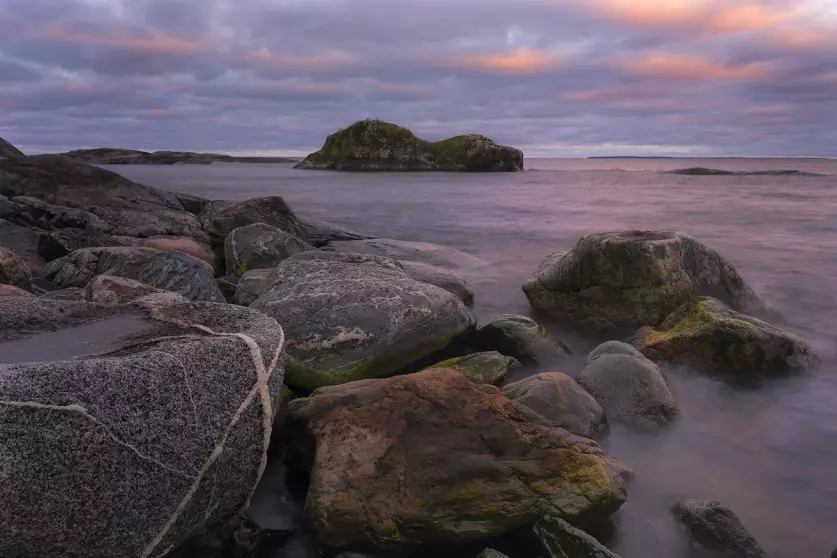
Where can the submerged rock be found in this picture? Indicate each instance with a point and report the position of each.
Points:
(373, 145)
(153, 429)
(319, 233)
(560, 399)
(630, 387)
(171, 271)
(710, 336)
(443, 278)
(559, 539)
(433, 458)
(482, 368)
(522, 338)
(259, 246)
(634, 279)
(352, 316)
(13, 270)
(716, 528)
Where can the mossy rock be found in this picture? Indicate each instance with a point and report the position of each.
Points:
(712, 337)
(482, 368)
(374, 145)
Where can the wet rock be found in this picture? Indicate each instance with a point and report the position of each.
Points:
(252, 285)
(352, 316)
(228, 285)
(522, 338)
(259, 246)
(634, 279)
(712, 337)
(560, 399)
(9, 151)
(443, 278)
(559, 539)
(170, 271)
(13, 270)
(716, 528)
(373, 145)
(482, 368)
(631, 388)
(184, 246)
(433, 458)
(155, 428)
(221, 218)
(10, 290)
(404, 251)
(50, 192)
(110, 290)
(319, 233)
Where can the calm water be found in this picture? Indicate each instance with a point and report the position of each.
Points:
(769, 452)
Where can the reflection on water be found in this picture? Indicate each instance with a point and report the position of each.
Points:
(768, 451)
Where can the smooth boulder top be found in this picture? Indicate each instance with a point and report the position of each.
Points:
(482, 368)
(716, 528)
(153, 428)
(171, 271)
(374, 145)
(629, 387)
(433, 458)
(64, 192)
(220, 218)
(712, 337)
(561, 400)
(634, 278)
(559, 539)
(353, 316)
(9, 151)
(259, 246)
(522, 338)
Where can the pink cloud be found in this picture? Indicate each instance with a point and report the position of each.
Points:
(519, 62)
(326, 60)
(152, 42)
(690, 67)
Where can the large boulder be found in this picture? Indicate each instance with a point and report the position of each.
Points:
(559, 539)
(154, 428)
(9, 151)
(433, 458)
(716, 528)
(13, 270)
(448, 280)
(110, 290)
(634, 279)
(220, 218)
(483, 368)
(373, 145)
(319, 233)
(559, 398)
(58, 243)
(523, 338)
(170, 271)
(352, 316)
(630, 387)
(710, 336)
(49, 192)
(259, 246)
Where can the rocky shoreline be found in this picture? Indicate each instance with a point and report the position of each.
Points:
(116, 156)
(187, 377)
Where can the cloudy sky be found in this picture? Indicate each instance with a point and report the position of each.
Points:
(554, 77)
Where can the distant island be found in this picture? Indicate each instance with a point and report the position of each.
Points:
(374, 145)
(631, 157)
(118, 156)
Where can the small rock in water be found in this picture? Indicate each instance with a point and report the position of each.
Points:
(716, 528)
(559, 539)
(522, 338)
(481, 368)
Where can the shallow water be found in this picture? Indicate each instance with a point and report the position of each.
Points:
(767, 451)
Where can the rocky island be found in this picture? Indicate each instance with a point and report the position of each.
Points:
(374, 145)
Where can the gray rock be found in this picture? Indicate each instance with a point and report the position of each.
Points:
(221, 218)
(23, 241)
(10, 290)
(153, 429)
(13, 270)
(70, 293)
(631, 389)
(110, 290)
(523, 338)
(51, 192)
(712, 337)
(259, 246)
(352, 316)
(481, 368)
(448, 280)
(635, 278)
(171, 271)
(422, 252)
(614, 348)
(57, 244)
(491, 553)
(716, 528)
(559, 398)
(252, 285)
(319, 233)
(9, 151)
(559, 539)
(228, 285)
(193, 204)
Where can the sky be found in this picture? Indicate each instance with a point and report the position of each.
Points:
(565, 78)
